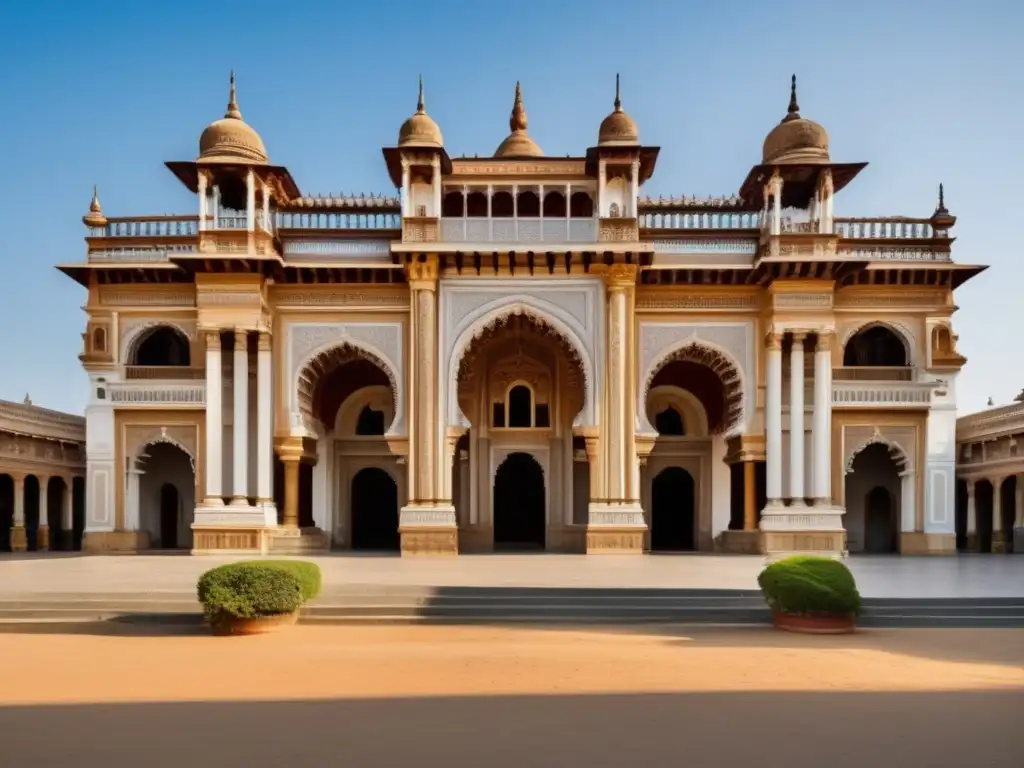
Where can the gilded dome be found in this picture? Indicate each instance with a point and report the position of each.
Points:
(518, 143)
(95, 217)
(796, 139)
(618, 129)
(231, 139)
(420, 130)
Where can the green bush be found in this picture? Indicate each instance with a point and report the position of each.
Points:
(248, 591)
(307, 573)
(810, 585)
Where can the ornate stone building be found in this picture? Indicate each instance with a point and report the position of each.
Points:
(520, 351)
(42, 478)
(990, 482)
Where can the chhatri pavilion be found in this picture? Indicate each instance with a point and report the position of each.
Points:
(520, 351)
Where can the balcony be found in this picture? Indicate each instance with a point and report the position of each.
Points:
(163, 372)
(872, 373)
(881, 394)
(144, 394)
(518, 230)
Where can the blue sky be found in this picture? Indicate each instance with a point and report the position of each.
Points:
(104, 92)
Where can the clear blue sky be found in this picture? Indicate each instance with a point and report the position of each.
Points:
(104, 92)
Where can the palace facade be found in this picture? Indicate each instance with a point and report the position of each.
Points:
(517, 351)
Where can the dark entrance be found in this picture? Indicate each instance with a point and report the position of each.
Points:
(673, 518)
(374, 510)
(519, 503)
(168, 516)
(879, 521)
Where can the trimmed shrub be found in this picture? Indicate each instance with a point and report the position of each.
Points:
(307, 573)
(248, 591)
(810, 585)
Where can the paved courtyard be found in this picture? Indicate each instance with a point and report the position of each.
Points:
(963, 576)
(108, 695)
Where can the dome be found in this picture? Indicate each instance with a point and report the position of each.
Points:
(95, 217)
(618, 129)
(231, 139)
(796, 139)
(518, 143)
(420, 130)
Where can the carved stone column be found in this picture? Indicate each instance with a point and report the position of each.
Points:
(616, 521)
(291, 491)
(19, 539)
(427, 522)
(68, 515)
(773, 419)
(749, 496)
(797, 436)
(43, 531)
(972, 518)
(998, 539)
(265, 429)
(240, 425)
(214, 422)
(821, 425)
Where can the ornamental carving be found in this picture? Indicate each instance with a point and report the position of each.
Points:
(618, 231)
(732, 382)
(903, 332)
(805, 301)
(379, 342)
(184, 437)
(122, 297)
(900, 441)
(419, 230)
(669, 299)
(336, 298)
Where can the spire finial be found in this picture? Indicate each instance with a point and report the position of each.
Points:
(793, 112)
(421, 108)
(942, 200)
(233, 110)
(618, 98)
(27, 400)
(517, 122)
(94, 204)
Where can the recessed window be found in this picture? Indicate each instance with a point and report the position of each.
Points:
(520, 406)
(370, 422)
(669, 423)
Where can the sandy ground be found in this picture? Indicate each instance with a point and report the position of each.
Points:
(116, 695)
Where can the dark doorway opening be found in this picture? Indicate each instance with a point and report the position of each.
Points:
(374, 511)
(880, 525)
(673, 513)
(168, 516)
(6, 511)
(519, 503)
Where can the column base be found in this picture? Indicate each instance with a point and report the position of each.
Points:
(426, 529)
(615, 529)
(1018, 540)
(998, 543)
(212, 502)
(740, 543)
(239, 501)
(917, 543)
(221, 540)
(269, 510)
(43, 538)
(973, 543)
(115, 542)
(803, 531)
(19, 539)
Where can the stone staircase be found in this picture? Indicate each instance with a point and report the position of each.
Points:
(482, 605)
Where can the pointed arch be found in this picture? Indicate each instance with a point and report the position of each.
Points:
(902, 333)
(898, 454)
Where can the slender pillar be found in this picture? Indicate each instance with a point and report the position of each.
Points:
(998, 540)
(131, 516)
(250, 201)
(265, 202)
(405, 189)
(749, 496)
(216, 207)
(265, 428)
(291, 491)
(773, 419)
(68, 515)
(972, 518)
(796, 421)
(1018, 505)
(203, 202)
(908, 501)
(19, 541)
(43, 531)
(214, 422)
(821, 425)
(240, 430)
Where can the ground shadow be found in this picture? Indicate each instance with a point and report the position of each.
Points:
(841, 730)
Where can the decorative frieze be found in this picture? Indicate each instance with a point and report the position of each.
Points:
(618, 231)
(881, 253)
(744, 247)
(802, 301)
(907, 298)
(858, 394)
(127, 297)
(340, 298)
(683, 299)
(144, 394)
(419, 230)
(468, 167)
(338, 248)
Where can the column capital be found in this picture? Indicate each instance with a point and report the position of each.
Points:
(619, 277)
(799, 336)
(825, 339)
(241, 338)
(773, 340)
(422, 274)
(212, 338)
(265, 341)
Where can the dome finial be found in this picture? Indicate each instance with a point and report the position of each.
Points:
(421, 107)
(517, 122)
(942, 200)
(793, 112)
(94, 204)
(618, 98)
(95, 217)
(233, 110)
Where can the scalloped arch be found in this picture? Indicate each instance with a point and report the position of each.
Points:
(903, 332)
(138, 333)
(896, 452)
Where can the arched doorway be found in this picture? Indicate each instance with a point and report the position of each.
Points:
(6, 511)
(881, 528)
(169, 512)
(374, 511)
(519, 515)
(164, 345)
(673, 518)
(875, 346)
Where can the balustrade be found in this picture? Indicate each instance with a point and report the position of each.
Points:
(148, 226)
(894, 228)
(856, 394)
(700, 220)
(518, 230)
(872, 373)
(140, 393)
(338, 220)
(163, 372)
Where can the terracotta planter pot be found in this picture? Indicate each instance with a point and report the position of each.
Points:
(257, 626)
(814, 623)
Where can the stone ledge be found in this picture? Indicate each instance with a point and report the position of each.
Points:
(614, 540)
(740, 543)
(927, 543)
(429, 540)
(208, 540)
(114, 542)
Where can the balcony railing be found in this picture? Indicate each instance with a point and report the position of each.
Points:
(502, 230)
(894, 228)
(856, 394)
(148, 226)
(164, 372)
(157, 395)
(329, 220)
(705, 220)
(872, 373)
(137, 255)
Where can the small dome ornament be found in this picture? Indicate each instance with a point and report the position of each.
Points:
(95, 217)
(518, 143)
(942, 220)
(796, 140)
(618, 129)
(231, 139)
(420, 130)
